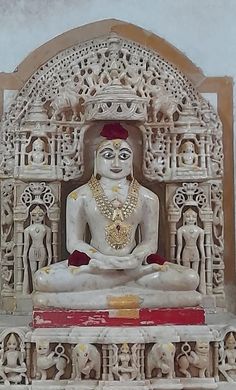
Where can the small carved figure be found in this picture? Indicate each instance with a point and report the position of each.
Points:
(198, 358)
(187, 155)
(6, 211)
(45, 359)
(161, 357)
(7, 248)
(125, 364)
(218, 281)
(86, 358)
(230, 351)
(162, 102)
(12, 365)
(227, 364)
(38, 156)
(35, 254)
(66, 100)
(93, 71)
(6, 277)
(69, 148)
(133, 75)
(193, 236)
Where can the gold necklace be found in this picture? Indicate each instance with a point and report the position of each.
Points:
(117, 233)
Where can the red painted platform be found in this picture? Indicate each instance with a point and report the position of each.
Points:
(57, 318)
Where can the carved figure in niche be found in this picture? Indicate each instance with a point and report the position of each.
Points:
(125, 364)
(7, 249)
(12, 365)
(161, 357)
(133, 75)
(227, 365)
(9, 161)
(187, 155)
(37, 245)
(218, 281)
(69, 148)
(188, 253)
(86, 359)
(162, 102)
(198, 358)
(66, 100)
(45, 359)
(38, 156)
(93, 71)
(6, 212)
(6, 278)
(218, 217)
(119, 205)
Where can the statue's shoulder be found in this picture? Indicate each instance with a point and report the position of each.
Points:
(148, 194)
(79, 193)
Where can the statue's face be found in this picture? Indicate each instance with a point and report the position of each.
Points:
(37, 215)
(190, 217)
(114, 159)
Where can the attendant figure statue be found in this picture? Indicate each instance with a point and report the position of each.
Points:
(193, 236)
(37, 246)
(113, 269)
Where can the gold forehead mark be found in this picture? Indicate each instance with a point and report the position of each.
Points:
(116, 143)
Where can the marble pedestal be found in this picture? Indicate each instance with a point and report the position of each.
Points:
(62, 343)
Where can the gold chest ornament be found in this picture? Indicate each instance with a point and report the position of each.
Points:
(118, 232)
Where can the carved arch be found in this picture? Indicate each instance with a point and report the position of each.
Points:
(28, 69)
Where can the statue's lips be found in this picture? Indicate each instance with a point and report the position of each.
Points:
(116, 170)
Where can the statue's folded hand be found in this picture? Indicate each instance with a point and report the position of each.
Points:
(114, 262)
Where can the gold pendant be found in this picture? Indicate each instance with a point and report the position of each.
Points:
(118, 234)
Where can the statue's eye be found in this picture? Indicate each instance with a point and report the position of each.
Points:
(108, 155)
(124, 156)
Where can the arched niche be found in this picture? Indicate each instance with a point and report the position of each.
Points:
(184, 82)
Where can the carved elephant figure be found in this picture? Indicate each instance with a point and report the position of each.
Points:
(67, 99)
(86, 358)
(164, 103)
(161, 357)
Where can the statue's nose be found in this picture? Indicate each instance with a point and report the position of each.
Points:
(116, 162)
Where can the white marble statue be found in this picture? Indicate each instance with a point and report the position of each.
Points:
(114, 206)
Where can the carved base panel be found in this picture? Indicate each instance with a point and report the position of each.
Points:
(56, 318)
(119, 358)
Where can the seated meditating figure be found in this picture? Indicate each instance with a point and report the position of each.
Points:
(119, 266)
